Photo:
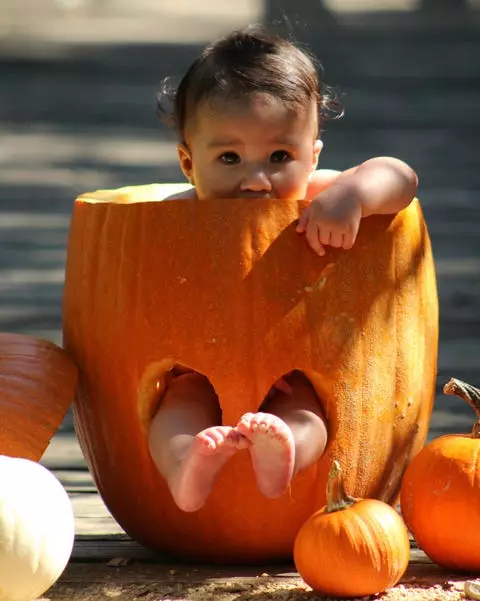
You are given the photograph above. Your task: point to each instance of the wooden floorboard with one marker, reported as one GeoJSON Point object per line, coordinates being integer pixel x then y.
{"type": "Point", "coordinates": [108, 546]}
{"type": "Point", "coordinates": [131, 578]}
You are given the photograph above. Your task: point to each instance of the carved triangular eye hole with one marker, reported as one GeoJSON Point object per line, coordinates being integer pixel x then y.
{"type": "Point", "coordinates": [159, 379]}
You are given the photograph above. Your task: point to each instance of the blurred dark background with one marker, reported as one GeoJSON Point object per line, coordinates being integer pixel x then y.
{"type": "Point", "coordinates": [77, 112]}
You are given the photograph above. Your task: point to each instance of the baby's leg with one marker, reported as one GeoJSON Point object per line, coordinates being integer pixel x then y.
{"type": "Point", "coordinates": [288, 436]}
{"type": "Point", "coordinates": [187, 442]}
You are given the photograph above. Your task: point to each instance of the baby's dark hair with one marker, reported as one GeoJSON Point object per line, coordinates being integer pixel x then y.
{"type": "Point", "coordinates": [241, 63]}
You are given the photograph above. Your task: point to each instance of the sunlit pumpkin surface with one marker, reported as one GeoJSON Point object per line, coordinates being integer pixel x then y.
{"type": "Point", "coordinates": [229, 288]}
{"type": "Point", "coordinates": [366, 550]}
{"type": "Point", "coordinates": [441, 501]}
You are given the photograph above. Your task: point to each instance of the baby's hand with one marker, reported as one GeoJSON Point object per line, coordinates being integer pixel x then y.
{"type": "Point", "coordinates": [332, 219]}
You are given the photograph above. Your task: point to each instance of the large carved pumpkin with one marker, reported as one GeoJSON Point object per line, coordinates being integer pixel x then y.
{"type": "Point", "coordinates": [228, 288]}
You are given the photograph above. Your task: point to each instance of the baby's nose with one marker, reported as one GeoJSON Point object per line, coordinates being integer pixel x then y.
{"type": "Point", "coordinates": [256, 180]}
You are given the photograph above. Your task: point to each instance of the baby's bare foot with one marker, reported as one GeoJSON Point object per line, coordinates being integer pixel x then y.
{"type": "Point", "coordinates": [272, 449]}
{"type": "Point", "coordinates": [209, 451]}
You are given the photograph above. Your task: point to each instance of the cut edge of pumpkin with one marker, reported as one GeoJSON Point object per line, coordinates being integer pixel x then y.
{"type": "Point", "coordinates": [133, 194]}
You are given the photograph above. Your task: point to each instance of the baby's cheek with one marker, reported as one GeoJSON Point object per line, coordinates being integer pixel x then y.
{"type": "Point", "coordinates": [296, 190]}
{"type": "Point", "coordinates": [295, 183]}
{"type": "Point", "coordinates": [215, 186]}
{"type": "Point", "coordinates": [205, 190]}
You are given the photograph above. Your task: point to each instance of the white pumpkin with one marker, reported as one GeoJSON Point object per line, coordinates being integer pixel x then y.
{"type": "Point", "coordinates": [37, 529]}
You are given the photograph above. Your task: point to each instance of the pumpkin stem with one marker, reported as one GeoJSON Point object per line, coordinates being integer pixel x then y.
{"type": "Point", "coordinates": [467, 393]}
{"type": "Point", "coordinates": [337, 497]}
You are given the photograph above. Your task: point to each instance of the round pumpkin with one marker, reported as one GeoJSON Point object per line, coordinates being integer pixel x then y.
{"type": "Point", "coordinates": [440, 495]}
{"type": "Point", "coordinates": [228, 288]}
{"type": "Point", "coordinates": [351, 547]}
{"type": "Point", "coordinates": [37, 529]}
{"type": "Point", "coordinates": [37, 385]}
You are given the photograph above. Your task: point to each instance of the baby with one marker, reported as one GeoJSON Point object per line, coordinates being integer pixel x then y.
{"type": "Point", "coordinates": [248, 112]}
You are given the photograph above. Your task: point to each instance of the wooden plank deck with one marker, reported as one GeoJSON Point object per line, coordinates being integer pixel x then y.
{"type": "Point", "coordinates": [76, 115]}
{"type": "Point", "coordinates": [107, 564]}
{"type": "Point", "coordinates": [158, 582]}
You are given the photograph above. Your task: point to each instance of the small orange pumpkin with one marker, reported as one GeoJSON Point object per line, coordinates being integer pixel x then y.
{"type": "Point", "coordinates": [37, 385]}
{"type": "Point", "coordinates": [440, 495]}
{"type": "Point", "coordinates": [351, 547]}
{"type": "Point", "coordinates": [228, 288]}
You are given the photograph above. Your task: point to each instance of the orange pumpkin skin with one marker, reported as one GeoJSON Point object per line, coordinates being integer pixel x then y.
{"type": "Point", "coordinates": [37, 385]}
{"type": "Point", "coordinates": [227, 287]}
{"type": "Point", "coordinates": [440, 499]}
{"type": "Point", "coordinates": [360, 549]}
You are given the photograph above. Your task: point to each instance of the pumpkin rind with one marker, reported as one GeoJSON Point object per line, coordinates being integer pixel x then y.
{"type": "Point", "coordinates": [440, 498]}
{"type": "Point", "coordinates": [37, 385]}
{"type": "Point", "coordinates": [351, 547]}
{"type": "Point", "coordinates": [228, 288]}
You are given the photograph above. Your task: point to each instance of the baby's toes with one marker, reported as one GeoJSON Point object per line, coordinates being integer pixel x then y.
{"type": "Point", "coordinates": [237, 439]}
{"type": "Point", "coordinates": [213, 438]}
{"type": "Point", "coordinates": [245, 422]}
{"type": "Point", "coordinates": [206, 440]}
{"type": "Point", "coordinates": [265, 423]}
{"type": "Point", "coordinates": [255, 423]}
{"type": "Point", "coordinates": [260, 423]}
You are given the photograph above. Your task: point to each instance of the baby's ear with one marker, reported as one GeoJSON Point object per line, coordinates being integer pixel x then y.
{"type": "Point", "coordinates": [317, 149]}
{"type": "Point", "coordinates": [185, 158]}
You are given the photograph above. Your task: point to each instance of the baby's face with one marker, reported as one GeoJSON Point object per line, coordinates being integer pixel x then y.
{"type": "Point", "coordinates": [253, 149]}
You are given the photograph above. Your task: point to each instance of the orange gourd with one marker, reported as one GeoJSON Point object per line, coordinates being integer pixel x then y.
{"type": "Point", "coordinates": [351, 547]}
{"type": "Point", "coordinates": [228, 288]}
{"type": "Point", "coordinates": [37, 385]}
{"type": "Point", "coordinates": [440, 496]}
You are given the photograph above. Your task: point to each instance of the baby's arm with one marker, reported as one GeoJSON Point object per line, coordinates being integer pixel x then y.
{"type": "Point", "coordinates": [381, 185]}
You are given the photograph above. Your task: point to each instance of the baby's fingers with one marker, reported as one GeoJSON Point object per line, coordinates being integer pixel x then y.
{"type": "Point", "coordinates": [303, 221]}
{"type": "Point", "coordinates": [325, 236]}
{"type": "Point", "coordinates": [349, 239]}
{"type": "Point", "coordinates": [313, 237]}
{"type": "Point", "coordinates": [336, 239]}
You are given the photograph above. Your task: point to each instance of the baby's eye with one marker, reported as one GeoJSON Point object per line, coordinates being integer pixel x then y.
{"type": "Point", "coordinates": [229, 158]}
{"type": "Point", "coordinates": [280, 156]}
